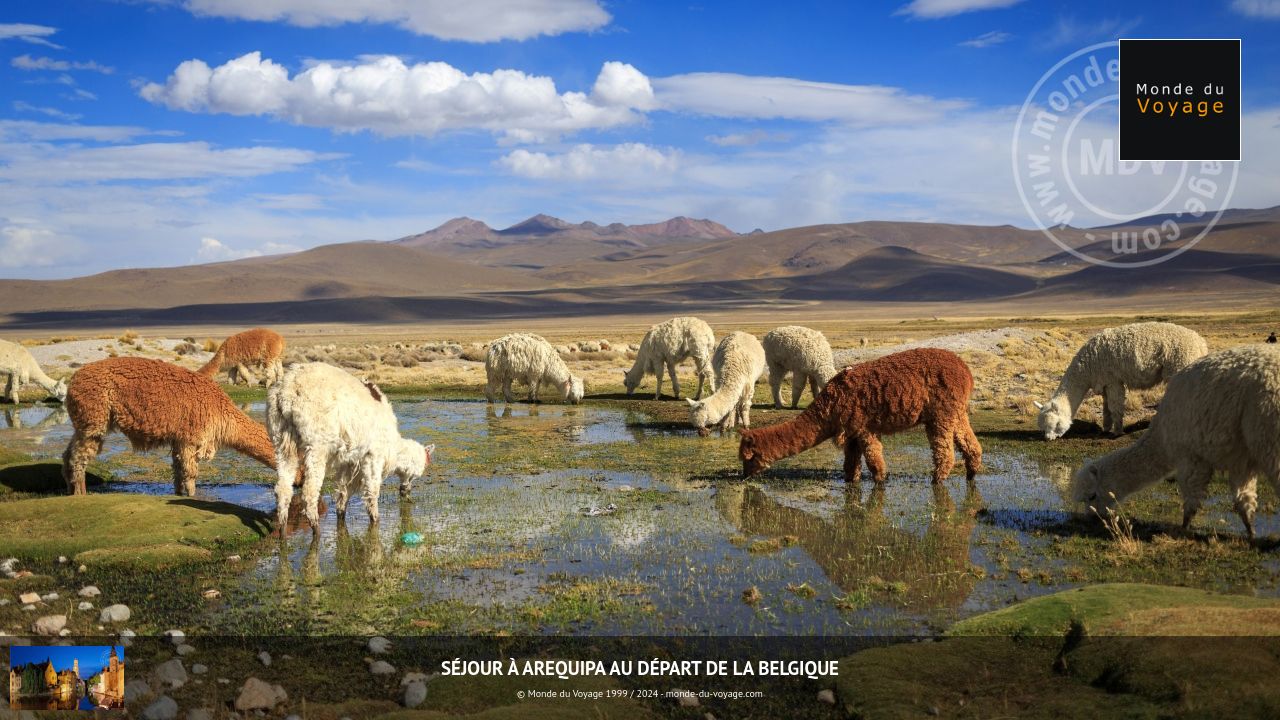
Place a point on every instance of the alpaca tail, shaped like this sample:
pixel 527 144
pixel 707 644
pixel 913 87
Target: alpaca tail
pixel 212 367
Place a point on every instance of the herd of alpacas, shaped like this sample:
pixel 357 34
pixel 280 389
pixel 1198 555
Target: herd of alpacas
pixel 1220 411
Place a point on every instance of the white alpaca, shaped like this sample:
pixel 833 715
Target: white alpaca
pixel 668 344
pixel 17 363
pixel 323 418
pixel 738 363
pixel 1129 357
pixel 531 360
pixel 802 352
pixel 1221 413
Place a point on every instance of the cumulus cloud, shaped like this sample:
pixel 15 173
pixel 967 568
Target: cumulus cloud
pixel 34 34
pixel 26 62
pixel 747 139
pixel 28 245
pixel 44 163
pixel 750 96
pixel 987 39
pixel 387 96
pixel 933 9
pixel 474 21
pixel 589 162
pixel 214 250
pixel 1258 8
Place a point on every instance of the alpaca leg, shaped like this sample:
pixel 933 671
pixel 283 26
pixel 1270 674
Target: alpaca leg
pixel 944 451
pixel 702 380
pixel 658 369
pixel 853 451
pixel 185 469
pixel 11 389
pixel 1113 397
pixel 535 386
pixel 342 491
pixel 79 452
pixel 873 451
pixel 744 406
pixel 815 387
pixel 1193 485
pixel 675 382
pixel 970 448
pixel 1245 489
pixel 776 376
pixel 288 475
pixel 489 389
pixel 371 477
pixel 245 376
pixel 506 390
pixel 313 471
pixel 797 388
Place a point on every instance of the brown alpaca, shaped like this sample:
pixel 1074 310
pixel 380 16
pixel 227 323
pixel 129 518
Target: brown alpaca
pixel 259 346
pixel 927 387
pixel 156 404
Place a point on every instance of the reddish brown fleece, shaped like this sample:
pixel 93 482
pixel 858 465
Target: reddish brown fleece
pixel 156 404
pixel 927 387
pixel 258 346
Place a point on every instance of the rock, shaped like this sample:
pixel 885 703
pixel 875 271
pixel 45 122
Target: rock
pixel 49 625
pixel 62 559
pixel 382 667
pixel 177 637
pixel 9 566
pixel 84 605
pixel 4 601
pixel 28 608
pixel 379 645
pixel 256 694
pixel 686 699
pixel 64 632
pixel 292 717
pixel 200 714
pixel 126 636
pixel 83 568
pixel 171 673
pixel 413 677
pixel 827 697
pixel 164 708
pixel 136 690
pixel 198 669
pixel 233 558
pixel 49 597
pixel 114 614
pixel 185 649
pixel 415 693
pixel 29 598
pixel 223 681
pixel 264 657
pixel 211 594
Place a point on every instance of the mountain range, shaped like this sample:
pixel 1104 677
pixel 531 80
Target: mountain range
pixel 545 266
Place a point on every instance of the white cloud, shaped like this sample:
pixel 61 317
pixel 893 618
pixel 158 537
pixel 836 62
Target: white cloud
pixel 474 20
pixel 34 34
pixel 27 245
pixel 26 62
pixel 388 97
pixel 987 39
pixel 1258 8
pixel 625 162
pixel 750 96
pixel 1070 31
pixel 214 250
pixel 933 9
pixel 44 163
pixel 22 106
pixel 28 130
pixel 747 139
pixel 289 201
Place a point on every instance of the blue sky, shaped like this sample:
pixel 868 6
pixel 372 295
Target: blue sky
pixel 167 132
pixel 92 657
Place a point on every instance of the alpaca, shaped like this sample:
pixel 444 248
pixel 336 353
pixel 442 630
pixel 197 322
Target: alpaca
pixel 1136 356
pixel 884 396
pixel 666 345
pixel 1220 413
pixel 802 352
pixel 321 417
pixel 259 346
pixel 531 359
pixel 738 363
pixel 17 363
pixel 155 404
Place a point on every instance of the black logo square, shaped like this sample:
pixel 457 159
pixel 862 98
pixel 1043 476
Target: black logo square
pixel 1180 100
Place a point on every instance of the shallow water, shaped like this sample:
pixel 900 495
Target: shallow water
pixel 514 550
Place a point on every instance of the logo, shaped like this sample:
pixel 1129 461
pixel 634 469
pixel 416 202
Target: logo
pixel 1095 206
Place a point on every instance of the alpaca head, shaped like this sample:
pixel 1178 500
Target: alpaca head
pixel 412 459
pixel 631 380
pixel 752 461
pixel 1055 417
pixel 59 391
pixel 573 390
pixel 1092 486
pixel 700 416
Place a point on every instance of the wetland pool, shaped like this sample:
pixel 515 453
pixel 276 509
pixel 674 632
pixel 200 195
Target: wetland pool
pixel 511 544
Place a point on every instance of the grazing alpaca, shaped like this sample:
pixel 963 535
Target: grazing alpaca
pixel 17 363
pixel 155 404
pixel 802 352
pixel 738 363
pixel 894 393
pixel 668 344
pixel 259 346
pixel 532 360
pixel 1136 357
pixel 1221 413
pixel 322 417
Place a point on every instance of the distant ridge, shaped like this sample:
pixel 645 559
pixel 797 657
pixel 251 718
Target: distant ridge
pixel 464 230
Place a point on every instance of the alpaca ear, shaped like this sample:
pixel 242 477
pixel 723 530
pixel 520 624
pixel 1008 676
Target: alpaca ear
pixel 1039 405
pixel 429 450
pixel 692 403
